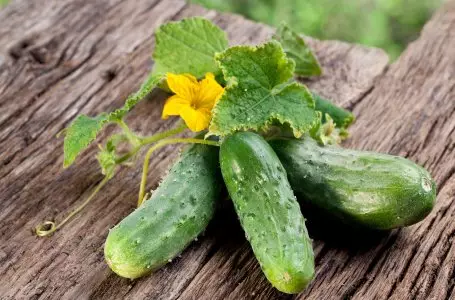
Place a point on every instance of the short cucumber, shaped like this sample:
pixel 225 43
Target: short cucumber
pixel 177 212
pixel 268 211
pixel 341 117
pixel 374 190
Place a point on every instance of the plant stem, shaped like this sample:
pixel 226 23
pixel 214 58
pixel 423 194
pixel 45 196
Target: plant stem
pixel 132 137
pixel 127 156
pixel 157 146
pixel 48 227
pixel 40 229
pixel 180 126
pixel 151 139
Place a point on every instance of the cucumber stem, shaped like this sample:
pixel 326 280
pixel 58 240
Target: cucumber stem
pixel 41 229
pixel 158 145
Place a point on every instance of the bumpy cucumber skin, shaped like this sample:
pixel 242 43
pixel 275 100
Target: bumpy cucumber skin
pixel 178 211
pixel 268 211
pixel 373 190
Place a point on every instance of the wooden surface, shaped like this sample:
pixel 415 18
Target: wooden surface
pixel 61 58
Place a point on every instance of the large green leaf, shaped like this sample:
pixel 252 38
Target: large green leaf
pixel 306 64
pixel 258 93
pixel 188 46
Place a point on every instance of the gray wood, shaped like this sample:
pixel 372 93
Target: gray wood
pixel 62 58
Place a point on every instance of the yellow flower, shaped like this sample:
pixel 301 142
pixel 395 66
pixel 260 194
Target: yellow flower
pixel 193 100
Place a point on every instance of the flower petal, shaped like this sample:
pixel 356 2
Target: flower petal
pixel 174 105
pixel 209 92
pixel 184 85
pixel 196 120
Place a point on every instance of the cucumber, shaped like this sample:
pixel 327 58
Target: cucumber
pixel 373 190
pixel 268 211
pixel 177 212
pixel 341 117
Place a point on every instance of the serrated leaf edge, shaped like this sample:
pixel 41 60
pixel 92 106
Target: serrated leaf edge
pixel 232 82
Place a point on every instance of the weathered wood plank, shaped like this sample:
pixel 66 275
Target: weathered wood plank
pixel 420 124
pixel 410 112
pixel 60 58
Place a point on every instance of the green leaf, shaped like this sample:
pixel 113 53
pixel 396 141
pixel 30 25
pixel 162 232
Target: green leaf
pixel 306 63
pixel 258 93
pixel 146 88
pixel 188 46
pixel 81 132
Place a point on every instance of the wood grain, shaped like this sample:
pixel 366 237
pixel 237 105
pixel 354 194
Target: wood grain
pixel 62 58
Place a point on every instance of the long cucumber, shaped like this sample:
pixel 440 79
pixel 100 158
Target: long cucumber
pixel 268 211
pixel 369 189
pixel 177 212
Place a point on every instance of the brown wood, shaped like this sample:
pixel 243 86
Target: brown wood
pixel 61 58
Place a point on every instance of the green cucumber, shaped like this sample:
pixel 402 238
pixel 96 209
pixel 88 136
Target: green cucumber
pixel 341 117
pixel 177 212
pixel 268 211
pixel 374 190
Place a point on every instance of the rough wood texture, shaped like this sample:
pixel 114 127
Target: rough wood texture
pixel 62 58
